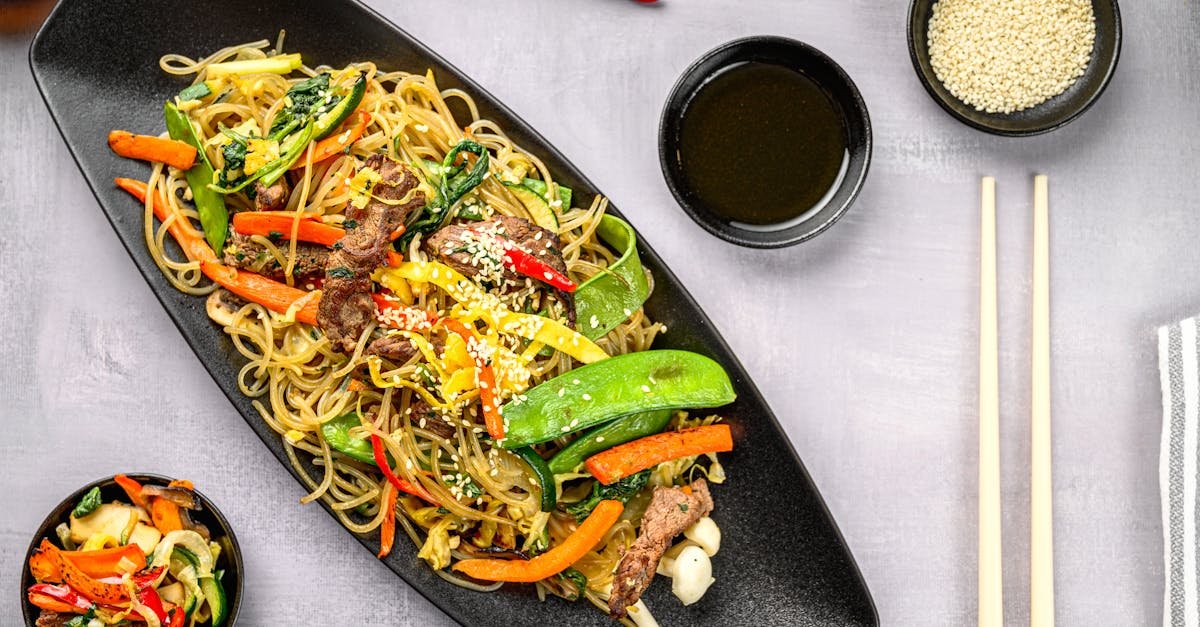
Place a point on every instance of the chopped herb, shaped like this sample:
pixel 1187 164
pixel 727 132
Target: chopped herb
pixel 337 245
pixel 350 225
pixel 340 272
pixel 443 511
pixel 275 237
pixel 87 504
pixel 683 507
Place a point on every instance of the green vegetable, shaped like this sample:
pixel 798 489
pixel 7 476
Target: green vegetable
pixel 304 100
pixel 195 92
pixel 214 217
pixel 543 215
pixel 83 620
pixel 610 297
pixel 210 586
pixel 542 473
pixel 577 579
pixel 622 491
pixel 615 387
pixel 452 183
pixel 290 151
pixel 87 504
pixel 63 531
pixel 214 595
pixel 606 436
pixel 540 188
pixel 336 432
pixel 328 122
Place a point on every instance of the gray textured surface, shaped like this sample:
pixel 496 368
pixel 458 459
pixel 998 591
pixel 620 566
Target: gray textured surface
pixel 864 340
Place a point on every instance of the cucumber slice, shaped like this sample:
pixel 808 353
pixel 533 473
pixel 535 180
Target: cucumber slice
pixel 539 187
pixel 214 594
pixel 329 122
pixel 535 203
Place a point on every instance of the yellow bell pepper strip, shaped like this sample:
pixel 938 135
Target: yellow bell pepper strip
pixel 214 216
pixel 100 563
pixel 258 289
pixel 278 64
pixel 524 263
pixel 85 584
pixel 150 148
pixel 621 461
pixel 400 484
pixel 616 387
pixel 387 530
pixel 487 380
pixel 188 238
pixel 554 561
pixel 545 330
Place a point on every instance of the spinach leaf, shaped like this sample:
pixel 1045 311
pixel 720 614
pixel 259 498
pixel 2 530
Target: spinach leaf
pixel 304 100
pixel 577 579
pixel 622 491
pixel 87 504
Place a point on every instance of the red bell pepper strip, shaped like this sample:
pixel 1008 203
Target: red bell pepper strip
pixel 143 585
pixel 387 531
pixel 487 383
pixel 177 617
pixel 397 482
pixel 63 596
pixel 525 263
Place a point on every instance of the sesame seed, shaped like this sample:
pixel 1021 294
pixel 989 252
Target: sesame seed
pixel 586 396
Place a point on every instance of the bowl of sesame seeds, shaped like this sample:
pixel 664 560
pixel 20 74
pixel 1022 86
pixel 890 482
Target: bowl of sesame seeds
pixel 1015 67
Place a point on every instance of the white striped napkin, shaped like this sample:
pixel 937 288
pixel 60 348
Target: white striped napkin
pixel 1178 359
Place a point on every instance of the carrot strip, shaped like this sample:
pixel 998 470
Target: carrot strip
pixel 336 143
pixel 554 561
pixel 387 531
pixel 100 563
pixel 266 223
pixel 626 459
pixel 133 490
pixel 400 484
pixel 487 383
pixel 256 288
pixel 165 515
pixel 176 154
pixel 190 240
pixel 87 585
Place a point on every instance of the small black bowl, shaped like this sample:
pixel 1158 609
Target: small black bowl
pixel 799 57
pixel 208 515
pixel 1048 116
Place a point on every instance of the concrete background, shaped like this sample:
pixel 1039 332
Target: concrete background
pixel 864 340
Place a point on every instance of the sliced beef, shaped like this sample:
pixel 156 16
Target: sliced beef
pixel 433 420
pixel 49 618
pixel 241 252
pixel 346 307
pixel 395 348
pixel 476 249
pixel 671 511
pixel 271 198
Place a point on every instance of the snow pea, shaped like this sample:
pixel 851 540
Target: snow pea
pixel 611 388
pixel 610 297
pixel 214 217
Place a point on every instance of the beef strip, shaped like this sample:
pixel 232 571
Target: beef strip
pixel 50 618
pixel 271 198
pixel 241 252
pixel 465 247
pixel 346 307
pixel 396 348
pixel 434 420
pixel 671 511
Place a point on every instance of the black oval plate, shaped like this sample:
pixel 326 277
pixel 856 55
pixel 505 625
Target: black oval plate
pixel 782 561
pixel 208 515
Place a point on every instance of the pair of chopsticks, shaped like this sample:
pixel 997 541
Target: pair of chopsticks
pixel 1041 557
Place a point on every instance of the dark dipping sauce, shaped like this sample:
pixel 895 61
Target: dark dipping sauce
pixel 761 145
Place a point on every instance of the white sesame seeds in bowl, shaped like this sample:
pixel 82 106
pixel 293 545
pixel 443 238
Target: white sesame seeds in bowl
pixel 1015 67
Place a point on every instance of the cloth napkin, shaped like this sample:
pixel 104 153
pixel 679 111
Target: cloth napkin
pixel 1179 367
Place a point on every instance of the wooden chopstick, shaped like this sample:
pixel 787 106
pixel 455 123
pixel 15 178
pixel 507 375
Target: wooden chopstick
pixel 991 598
pixel 1041 533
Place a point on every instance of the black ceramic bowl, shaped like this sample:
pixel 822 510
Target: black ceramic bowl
pixel 1050 115
pixel 209 515
pixel 799 57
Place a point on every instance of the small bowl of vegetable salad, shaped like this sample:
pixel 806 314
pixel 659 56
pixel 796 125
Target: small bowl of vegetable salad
pixel 133 549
